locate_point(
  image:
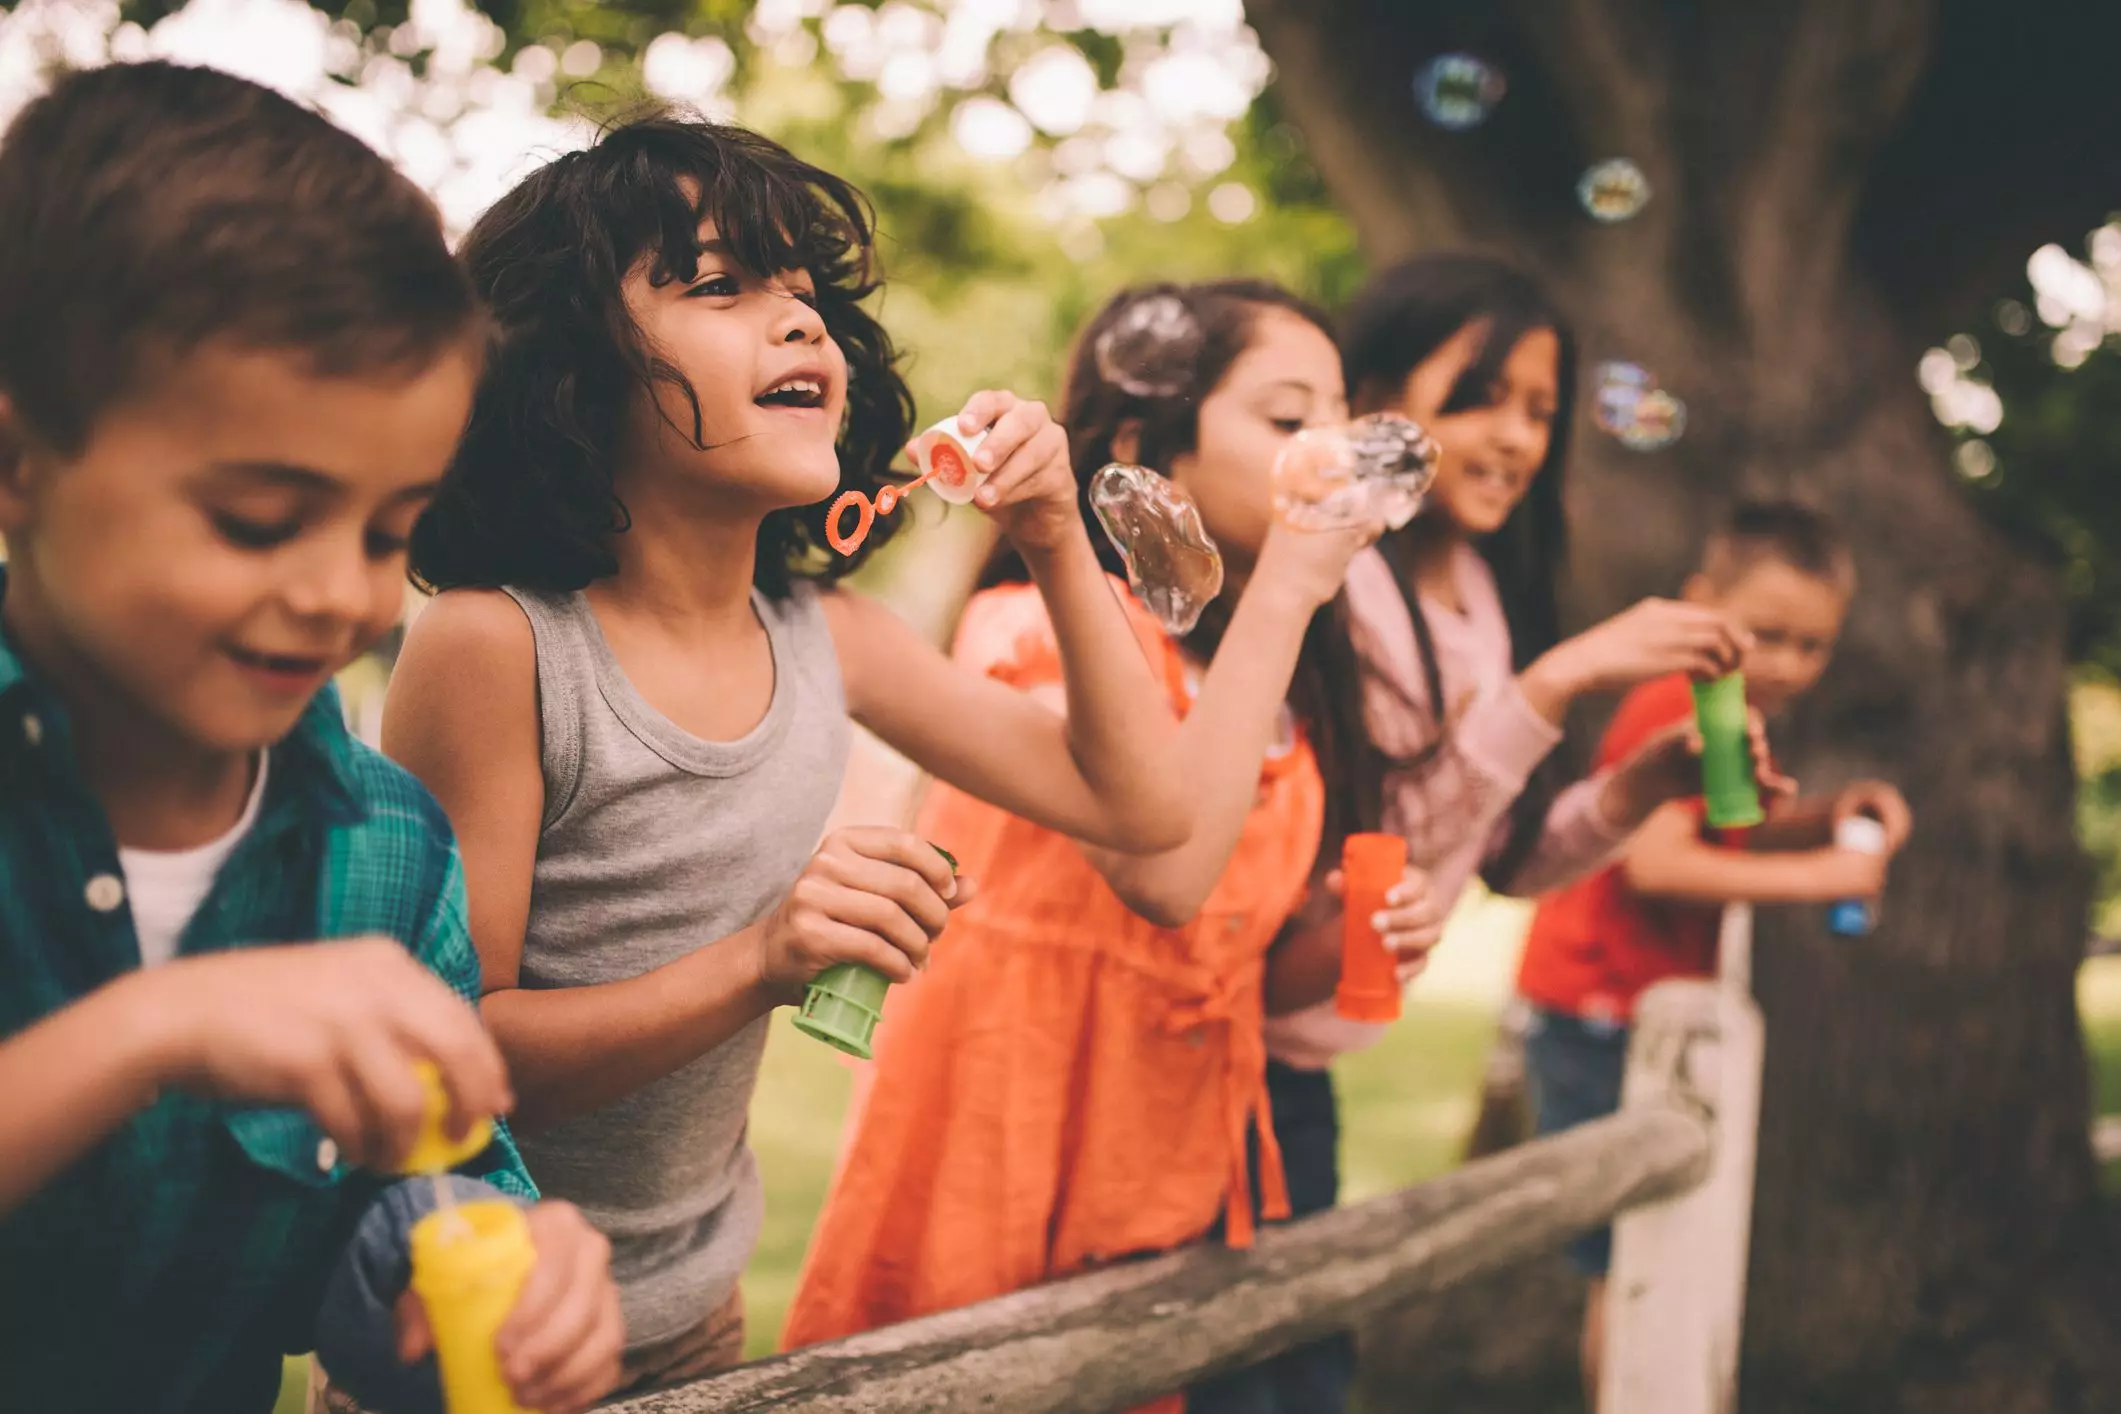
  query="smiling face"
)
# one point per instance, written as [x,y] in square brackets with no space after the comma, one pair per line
[1287,379]
[225,541]
[1491,451]
[770,381]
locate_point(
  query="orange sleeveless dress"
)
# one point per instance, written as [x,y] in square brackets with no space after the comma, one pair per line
[1066,1084]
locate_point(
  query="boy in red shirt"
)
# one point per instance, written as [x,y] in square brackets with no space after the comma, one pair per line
[1783,573]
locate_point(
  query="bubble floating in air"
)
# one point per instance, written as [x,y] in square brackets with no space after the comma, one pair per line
[1172,564]
[1659,419]
[1614,190]
[1458,91]
[1627,404]
[1373,470]
[1150,348]
[1615,389]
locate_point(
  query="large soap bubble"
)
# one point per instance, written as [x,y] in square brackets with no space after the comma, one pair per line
[1373,470]
[1172,565]
[1616,387]
[1150,348]
[1458,91]
[1614,190]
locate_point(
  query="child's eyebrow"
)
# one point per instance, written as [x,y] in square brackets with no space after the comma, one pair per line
[274,473]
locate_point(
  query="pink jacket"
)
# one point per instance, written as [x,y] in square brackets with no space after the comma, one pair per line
[1453,808]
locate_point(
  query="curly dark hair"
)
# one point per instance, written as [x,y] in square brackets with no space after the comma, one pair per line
[1326,690]
[530,499]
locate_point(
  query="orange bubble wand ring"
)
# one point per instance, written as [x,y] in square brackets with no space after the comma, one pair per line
[886,502]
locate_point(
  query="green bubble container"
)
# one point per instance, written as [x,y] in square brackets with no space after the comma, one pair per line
[1727,781]
[842,1006]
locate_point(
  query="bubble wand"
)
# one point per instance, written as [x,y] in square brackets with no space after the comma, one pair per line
[945,459]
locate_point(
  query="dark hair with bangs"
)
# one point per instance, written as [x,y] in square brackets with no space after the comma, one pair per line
[1326,691]
[1393,326]
[530,499]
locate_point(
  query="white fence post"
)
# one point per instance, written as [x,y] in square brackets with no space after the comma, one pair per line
[1675,1301]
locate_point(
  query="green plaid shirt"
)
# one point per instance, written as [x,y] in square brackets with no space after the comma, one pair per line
[171,1267]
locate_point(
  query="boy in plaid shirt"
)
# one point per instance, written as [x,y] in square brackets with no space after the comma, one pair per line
[235,357]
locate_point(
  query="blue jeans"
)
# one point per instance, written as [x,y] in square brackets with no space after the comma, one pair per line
[1573,1066]
[357,1339]
[1315,1378]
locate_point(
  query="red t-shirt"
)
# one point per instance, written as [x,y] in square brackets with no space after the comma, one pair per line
[1597,944]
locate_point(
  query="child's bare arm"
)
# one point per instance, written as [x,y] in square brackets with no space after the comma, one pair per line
[1107,772]
[1667,858]
[463,717]
[331,1027]
[1799,825]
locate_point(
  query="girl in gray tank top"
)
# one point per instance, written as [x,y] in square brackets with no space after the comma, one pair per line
[635,702]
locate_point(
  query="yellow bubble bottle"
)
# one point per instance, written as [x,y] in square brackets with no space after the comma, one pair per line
[468,1266]
[469,1261]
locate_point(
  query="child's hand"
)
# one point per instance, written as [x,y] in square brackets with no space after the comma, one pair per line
[1850,873]
[562,1346]
[1654,638]
[1882,803]
[332,1027]
[1030,488]
[1409,923]
[870,895]
[1309,565]
[1667,767]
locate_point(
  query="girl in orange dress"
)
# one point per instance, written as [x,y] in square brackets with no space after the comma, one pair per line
[1074,1077]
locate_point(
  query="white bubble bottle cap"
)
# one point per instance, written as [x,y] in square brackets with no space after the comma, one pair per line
[947,453]
[1862,834]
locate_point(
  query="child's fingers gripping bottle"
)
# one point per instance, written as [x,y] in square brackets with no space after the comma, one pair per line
[469,1262]
[1727,781]
[843,1004]
[1855,917]
[1369,975]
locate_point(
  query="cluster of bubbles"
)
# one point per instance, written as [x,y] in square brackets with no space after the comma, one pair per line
[1173,566]
[1150,348]
[1459,91]
[1628,404]
[1374,470]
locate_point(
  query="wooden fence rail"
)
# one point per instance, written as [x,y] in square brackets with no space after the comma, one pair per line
[1128,1333]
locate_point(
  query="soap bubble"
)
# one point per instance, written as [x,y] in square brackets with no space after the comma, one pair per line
[1616,388]
[1457,91]
[1375,469]
[1172,565]
[1614,191]
[1149,349]
[1658,421]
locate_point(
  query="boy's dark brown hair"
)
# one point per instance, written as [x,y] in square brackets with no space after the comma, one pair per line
[147,210]
[1787,532]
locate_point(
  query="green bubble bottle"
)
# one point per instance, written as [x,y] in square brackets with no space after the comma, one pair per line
[843,1004]
[1727,780]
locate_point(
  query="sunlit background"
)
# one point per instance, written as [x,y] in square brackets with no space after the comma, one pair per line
[1027,158]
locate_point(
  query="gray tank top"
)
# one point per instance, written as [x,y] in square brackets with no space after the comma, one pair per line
[655,844]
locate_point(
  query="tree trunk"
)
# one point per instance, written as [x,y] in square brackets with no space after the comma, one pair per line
[1928,1232]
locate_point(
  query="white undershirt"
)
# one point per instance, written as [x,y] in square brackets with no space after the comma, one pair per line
[166,886]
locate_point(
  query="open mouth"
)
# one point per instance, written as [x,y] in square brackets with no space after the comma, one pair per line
[798,392]
[282,665]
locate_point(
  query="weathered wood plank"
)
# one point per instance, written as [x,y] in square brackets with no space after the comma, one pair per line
[1125,1334]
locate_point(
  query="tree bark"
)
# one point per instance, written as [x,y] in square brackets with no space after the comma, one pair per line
[1928,1233]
